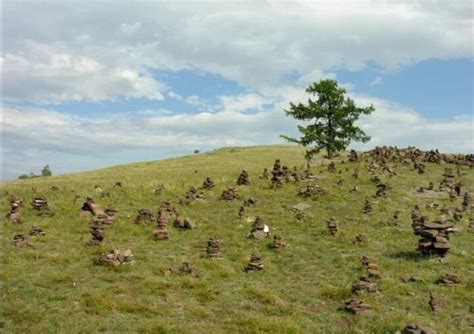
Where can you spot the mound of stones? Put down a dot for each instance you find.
(353, 156)
(97, 233)
(193, 194)
(90, 206)
(259, 230)
(332, 225)
(382, 189)
(241, 213)
(434, 236)
(20, 240)
(116, 258)
(208, 183)
(40, 204)
(360, 239)
(449, 279)
(230, 194)
(277, 175)
(165, 213)
(396, 218)
(144, 216)
(436, 303)
(312, 190)
(371, 267)
(448, 180)
(265, 174)
(15, 215)
(467, 200)
(356, 306)
(111, 211)
(214, 248)
(365, 284)
(250, 202)
(255, 262)
(37, 231)
(416, 329)
(243, 178)
(184, 223)
(367, 207)
(278, 242)
(188, 268)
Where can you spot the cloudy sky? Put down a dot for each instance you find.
(87, 84)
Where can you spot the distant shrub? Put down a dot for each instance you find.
(46, 171)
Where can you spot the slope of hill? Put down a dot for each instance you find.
(56, 285)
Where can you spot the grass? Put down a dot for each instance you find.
(59, 288)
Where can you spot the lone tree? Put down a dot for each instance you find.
(331, 116)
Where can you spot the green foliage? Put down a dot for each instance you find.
(46, 171)
(332, 115)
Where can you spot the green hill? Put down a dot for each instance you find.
(57, 285)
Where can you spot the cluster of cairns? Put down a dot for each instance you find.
(259, 230)
(255, 262)
(144, 216)
(40, 204)
(116, 258)
(193, 194)
(214, 248)
(312, 190)
(230, 194)
(243, 178)
(166, 212)
(208, 183)
(15, 207)
(434, 235)
(332, 225)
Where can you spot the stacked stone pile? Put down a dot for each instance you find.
(193, 194)
(15, 210)
(208, 183)
(97, 233)
(184, 223)
(277, 175)
(90, 206)
(278, 242)
(356, 306)
(365, 284)
(367, 207)
(255, 262)
(434, 236)
(312, 190)
(40, 204)
(259, 229)
(111, 211)
(332, 225)
(214, 248)
(371, 267)
(449, 279)
(116, 258)
(230, 194)
(243, 178)
(416, 329)
(37, 231)
(144, 216)
(353, 157)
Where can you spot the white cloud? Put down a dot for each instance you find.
(376, 81)
(255, 44)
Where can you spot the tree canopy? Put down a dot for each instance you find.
(331, 119)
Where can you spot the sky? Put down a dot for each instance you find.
(89, 84)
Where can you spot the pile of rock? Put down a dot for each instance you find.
(360, 239)
(416, 329)
(371, 267)
(97, 233)
(158, 191)
(208, 183)
(20, 240)
(15, 207)
(243, 178)
(353, 157)
(332, 167)
(449, 279)
(396, 218)
(37, 231)
(467, 200)
(40, 204)
(214, 248)
(144, 216)
(278, 242)
(277, 175)
(103, 219)
(250, 202)
(434, 236)
(111, 211)
(332, 225)
(90, 206)
(420, 168)
(193, 194)
(255, 262)
(265, 174)
(312, 190)
(188, 268)
(230, 194)
(118, 184)
(241, 214)
(356, 306)
(259, 230)
(184, 223)
(382, 189)
(116, 258)
(367, 207)
(436, 303)
(161, 231)
(448, 180)
(365, 284)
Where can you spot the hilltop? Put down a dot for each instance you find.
(57, 285)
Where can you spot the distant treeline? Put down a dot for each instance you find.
(46, 171)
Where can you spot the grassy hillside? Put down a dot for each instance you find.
(58, 286)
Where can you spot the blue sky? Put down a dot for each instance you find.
(160, 79)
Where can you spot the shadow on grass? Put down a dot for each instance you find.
(408, 255)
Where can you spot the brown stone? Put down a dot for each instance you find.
(449, 279)
(214, 249)
(332, 225)
(278, 242)
(356, 306)
(243, 178)
(255, 262)
(208, 183)
(367, 207)
(230, 194)
(116, 258)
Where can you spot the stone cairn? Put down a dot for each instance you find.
(448, 180)
(250, 202)
(243, 178)
(436, 303)
(97, 233)
(332, 225)
(111, 211)
(208, 183)
(259, 229)
(449, 279)
(230, 194)
(365, 284)
(332, 167)
(255, 262)
(116, 258)
(278, 242)
(434, 236)
(184, 223)
(103, 219)
(356, 306)
(90, 206)
(193, 194)
(353, 157)
(420, 168)
(360, 239)
(165, 213)
(37, 231)
(214, 249)
(396, 218)
(312, 190)
(15, 207)
(467, 200)
(416, 329)
(158, 191)
(277, 175)
(188, 268)
(20, 240)
(265, 174)
(367, 207)
(144, 216)
(241, 214)
(458, 213)
(40, 204)
(382, 189)
(371, 267)
(117, 184)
